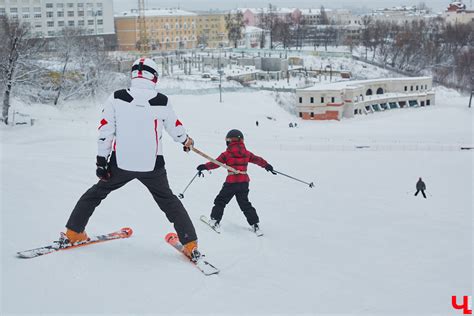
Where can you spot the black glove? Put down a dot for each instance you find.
(269, 168)
(102, 171)
(188, 144)
(201, 168)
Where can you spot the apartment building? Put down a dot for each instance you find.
(48, 18)
(211, 30)
(166, 29)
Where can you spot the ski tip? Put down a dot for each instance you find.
(170, 237)
(127, 231)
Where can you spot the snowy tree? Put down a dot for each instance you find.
(84, 65)
(67, 47)
(17, 53)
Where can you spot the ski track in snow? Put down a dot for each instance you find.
(358, 243)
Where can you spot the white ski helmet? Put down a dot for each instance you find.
(145, 68)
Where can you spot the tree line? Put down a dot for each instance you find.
(430, 47)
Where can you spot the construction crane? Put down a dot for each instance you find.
(143, 39)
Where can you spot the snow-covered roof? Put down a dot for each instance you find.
(158, 12)
(357, 83)
(310, 11)
(253, 29)
(275, 10)
(458, 4)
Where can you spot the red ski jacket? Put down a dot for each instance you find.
(237, 157)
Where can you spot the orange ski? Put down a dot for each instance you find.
(61, 245)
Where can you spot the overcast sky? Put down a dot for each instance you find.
(436, 5)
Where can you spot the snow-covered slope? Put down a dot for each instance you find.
(359, 243)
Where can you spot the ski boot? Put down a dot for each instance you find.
(215, 224)
(75, 238)
(256, 229)
(191, 251)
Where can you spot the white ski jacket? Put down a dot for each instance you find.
(132, 126)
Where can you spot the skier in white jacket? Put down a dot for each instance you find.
(130, 147)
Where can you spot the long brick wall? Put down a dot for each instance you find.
(328, 115)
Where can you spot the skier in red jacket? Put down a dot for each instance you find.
(237, 157)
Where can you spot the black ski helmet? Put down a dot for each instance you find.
(233, 135)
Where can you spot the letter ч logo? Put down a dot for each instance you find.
(466, 304)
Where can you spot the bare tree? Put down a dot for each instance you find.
(282, 31)
(267, 21)
(234, 24)
(17, 51)
(203, 40)
(366, 36)
(421, 47)
(298, 30)
(324, 20)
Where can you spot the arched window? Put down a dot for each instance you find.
(369, 92)
(379, 91)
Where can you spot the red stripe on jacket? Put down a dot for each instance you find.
(237, 157)
(156, 136)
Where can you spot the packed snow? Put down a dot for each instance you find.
(358, 243)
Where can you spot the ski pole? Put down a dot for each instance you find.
(310, 184)
(197, 151)
(181, 195)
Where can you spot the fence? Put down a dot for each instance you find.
(376, 147)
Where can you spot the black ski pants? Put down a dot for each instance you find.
(156, 182)
(422, 192)
(241, 192)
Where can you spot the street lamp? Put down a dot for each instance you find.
(220, 72)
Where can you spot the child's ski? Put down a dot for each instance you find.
(63, 243)
(206, 220)
(203, 266)
(257, 232)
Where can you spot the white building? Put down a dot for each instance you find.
(333, 101)
(254, 37)
(48, 17)
(401, 15)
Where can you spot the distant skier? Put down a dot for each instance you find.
(420, 186)
(130, 147)
(256, 123)
(238, 157)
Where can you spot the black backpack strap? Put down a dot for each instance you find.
(159, 100)
(123, 95)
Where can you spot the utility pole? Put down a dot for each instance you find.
(472, 90)
(219, 70)
(470, 99)
(144, 47)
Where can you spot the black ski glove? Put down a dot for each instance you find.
(188, 144)
(269, 168)
(201, 168)
(102, 171)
